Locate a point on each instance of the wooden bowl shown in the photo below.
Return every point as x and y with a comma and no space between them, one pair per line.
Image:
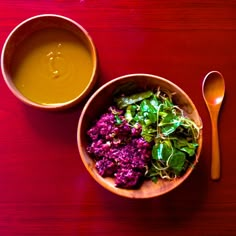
98,104
21,43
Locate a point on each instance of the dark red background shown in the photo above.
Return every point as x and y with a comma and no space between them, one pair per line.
44,187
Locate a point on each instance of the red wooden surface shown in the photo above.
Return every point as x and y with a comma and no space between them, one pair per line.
44,187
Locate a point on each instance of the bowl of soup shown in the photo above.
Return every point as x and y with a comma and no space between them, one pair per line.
49,61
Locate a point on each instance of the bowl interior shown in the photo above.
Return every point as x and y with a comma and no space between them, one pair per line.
37,23
98,104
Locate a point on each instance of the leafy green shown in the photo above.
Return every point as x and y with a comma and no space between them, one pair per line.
124,101
118,120
176,162
185,146
172,135
154,101
148,112
148,133
162,151
169,123
130,112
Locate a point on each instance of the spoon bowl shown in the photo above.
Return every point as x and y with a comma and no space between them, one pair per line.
213,90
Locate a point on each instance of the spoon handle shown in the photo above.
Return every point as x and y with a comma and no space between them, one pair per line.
215,161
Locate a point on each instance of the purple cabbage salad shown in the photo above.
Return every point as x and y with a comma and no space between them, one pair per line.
143,136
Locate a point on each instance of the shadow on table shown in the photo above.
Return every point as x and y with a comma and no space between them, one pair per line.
162,214
57,126
61,125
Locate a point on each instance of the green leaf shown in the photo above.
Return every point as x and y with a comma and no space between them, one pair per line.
169,124
149,112
123,102
118,120
166,151
148,133
167,103
130,112
155,152
148,137
154,179
167,130
170,118
176,162
162,151
154,101
185,146
139,118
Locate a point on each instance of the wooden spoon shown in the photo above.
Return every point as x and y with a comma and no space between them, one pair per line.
213,90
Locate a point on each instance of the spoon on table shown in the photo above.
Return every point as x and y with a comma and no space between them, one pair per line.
213,90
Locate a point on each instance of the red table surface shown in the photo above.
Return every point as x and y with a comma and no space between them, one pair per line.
44,187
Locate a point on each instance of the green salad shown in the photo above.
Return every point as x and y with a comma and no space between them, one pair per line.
174,136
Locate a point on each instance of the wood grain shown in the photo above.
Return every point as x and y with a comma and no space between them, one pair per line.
44,187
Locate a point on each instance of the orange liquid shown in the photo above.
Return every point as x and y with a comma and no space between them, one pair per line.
52,66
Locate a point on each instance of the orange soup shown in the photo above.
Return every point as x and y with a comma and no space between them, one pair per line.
52,66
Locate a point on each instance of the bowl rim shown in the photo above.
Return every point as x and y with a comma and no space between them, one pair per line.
113,189
53,106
